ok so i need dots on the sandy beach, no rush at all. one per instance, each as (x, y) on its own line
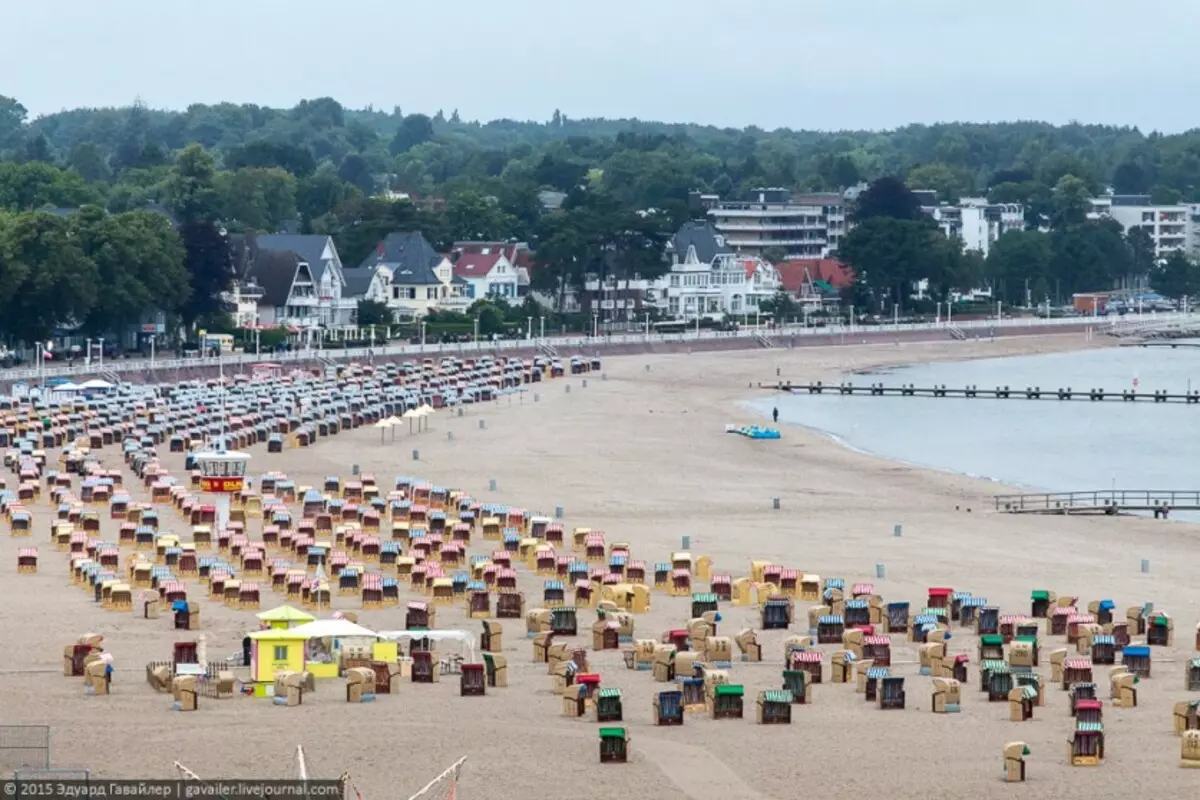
(643, 456)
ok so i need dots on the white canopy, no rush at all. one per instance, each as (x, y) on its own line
(332, 628)
(462, 637)
(96, 383)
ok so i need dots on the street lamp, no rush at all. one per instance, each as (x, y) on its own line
(528, 328)
(476, 339)
(541, 327)
(422, 335)
(101, 340)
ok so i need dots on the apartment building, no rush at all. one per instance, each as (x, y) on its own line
(977, 222)
(802, 226)
(1171, 227)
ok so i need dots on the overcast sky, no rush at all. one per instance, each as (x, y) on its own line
(826, 64)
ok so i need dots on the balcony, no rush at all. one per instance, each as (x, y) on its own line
(819, 241)
(807, 225)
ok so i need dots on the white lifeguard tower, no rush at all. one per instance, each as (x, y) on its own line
(222, 473)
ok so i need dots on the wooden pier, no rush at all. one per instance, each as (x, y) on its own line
(1107, 501)
(998, 393)
(1161, 343)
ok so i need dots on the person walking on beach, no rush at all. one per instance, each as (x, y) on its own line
(775, 414)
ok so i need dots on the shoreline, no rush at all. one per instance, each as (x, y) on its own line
(760, 404)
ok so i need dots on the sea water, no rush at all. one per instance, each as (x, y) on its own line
(1041, 445)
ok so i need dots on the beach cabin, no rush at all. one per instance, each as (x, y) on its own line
(1014, 762)
(1160, 630)
(897, 617)
(614, 746)
(947, 696)
(1187, 716)
(727, 701)
(991, 647)
(995, 678)
(830, 628)
(890, 692)
(1102, 610)
(869, 677)
(1086, 746)
(810, 662)
(1103, 649)
(776, 614)
(721, 586)
(1041, 600)
(1021, 700)
(1136, 659)
(798, 686)
(774, 707)
(877, 649)
(1076, 670)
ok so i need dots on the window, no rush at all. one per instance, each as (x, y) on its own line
(675, 281)
(281, 652)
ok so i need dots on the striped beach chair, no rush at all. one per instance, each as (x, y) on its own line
(27, 560)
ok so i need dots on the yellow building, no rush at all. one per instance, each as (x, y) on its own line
(275, 650)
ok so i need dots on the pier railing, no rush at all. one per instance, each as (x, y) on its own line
(1099, 501)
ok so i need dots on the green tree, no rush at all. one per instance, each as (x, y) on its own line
(139, 261)
(256, 198)
(781, 305)
(1070, 203)
(1141, 250)
(1165, 195)
(414, 129)
(60, 283)
(190, 188)
(1177, 277)
(1017, 261)
(949, 183)
(209, 261)
(12, 121)
(894, 254)
(473, 217)
(34, 185)
(87, 159)
(374, 312)
(888, 197)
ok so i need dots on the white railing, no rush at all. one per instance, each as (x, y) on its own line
(579, 342)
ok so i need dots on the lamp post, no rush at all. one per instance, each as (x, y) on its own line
(528, 328)
(541, 327)
(595, 323)
(422, 336)
(476, 339)
(101, 340)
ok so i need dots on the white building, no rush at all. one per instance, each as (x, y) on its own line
(333, 309)
(805, 226)
(708, 279)
(1169, 226)
(977, 222)
(486, 273)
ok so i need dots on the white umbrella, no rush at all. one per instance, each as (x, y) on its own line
(425, 411)
(382, 425)
(95, 383)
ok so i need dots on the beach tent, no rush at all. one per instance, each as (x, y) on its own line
(96, 385)
(462, 637)
(333, 629)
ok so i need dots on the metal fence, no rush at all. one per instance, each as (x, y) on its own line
(598, 343)
(24, 747)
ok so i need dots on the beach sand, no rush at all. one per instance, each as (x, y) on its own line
(642, 456)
